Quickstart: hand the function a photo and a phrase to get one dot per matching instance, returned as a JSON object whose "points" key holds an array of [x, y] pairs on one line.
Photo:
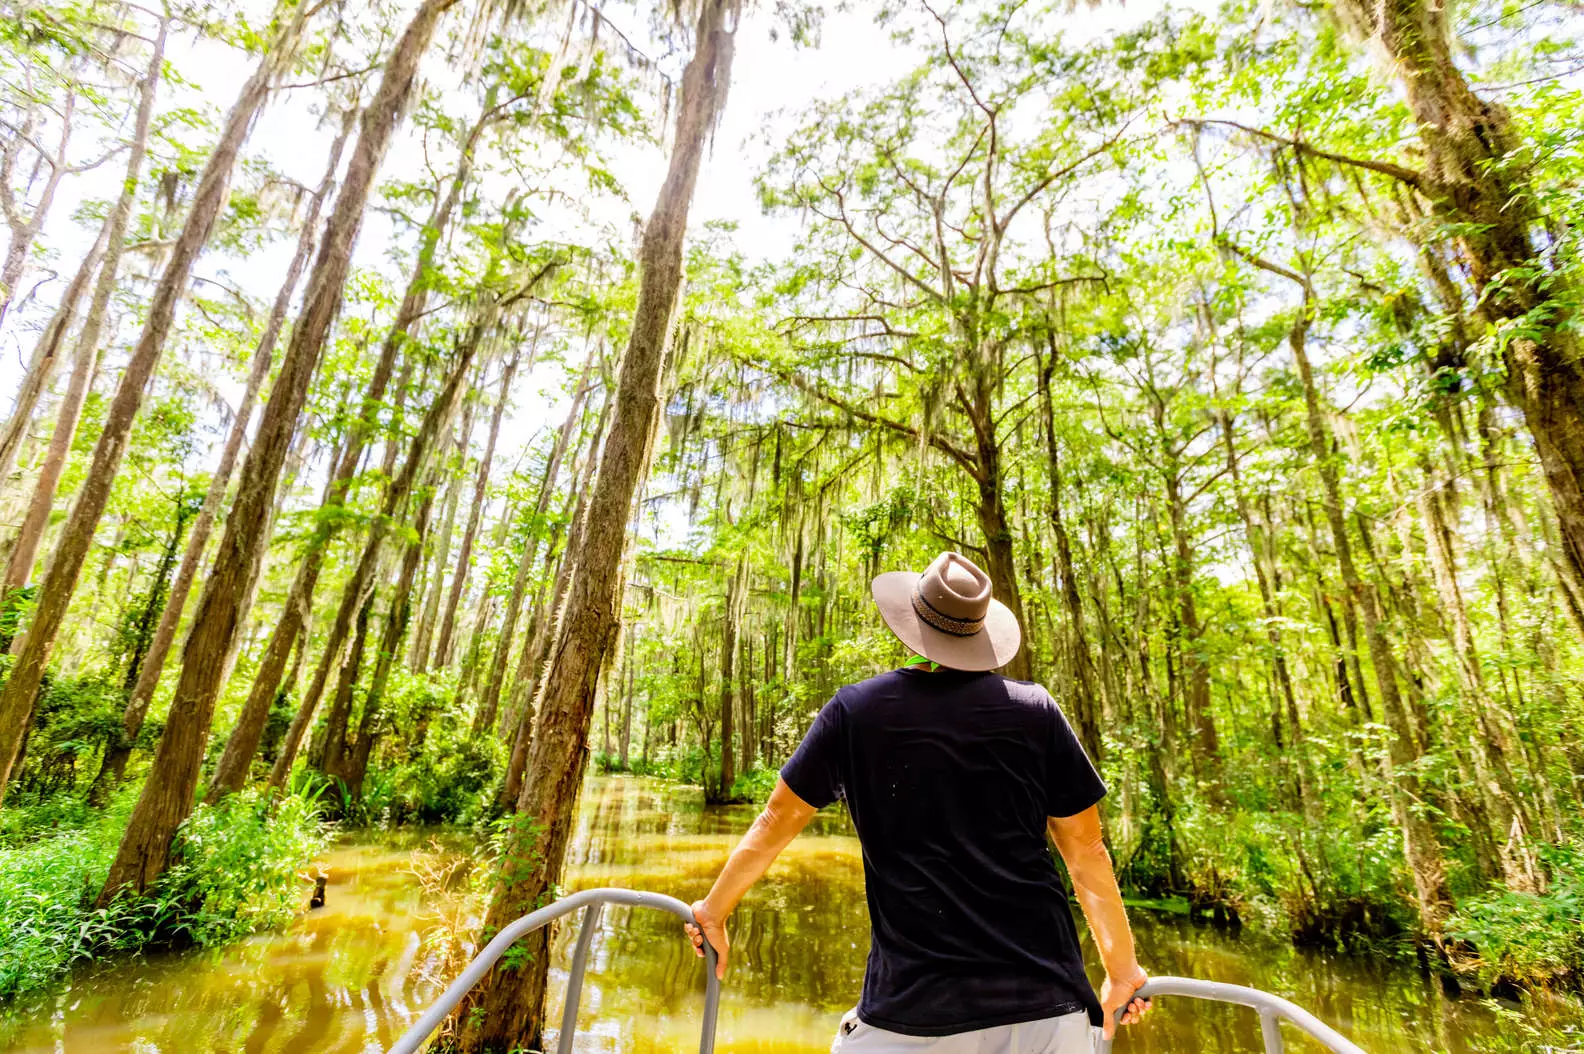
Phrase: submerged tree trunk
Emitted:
{"points": [[16, 699], [507, 1011], [142, 694], [168, 795]]}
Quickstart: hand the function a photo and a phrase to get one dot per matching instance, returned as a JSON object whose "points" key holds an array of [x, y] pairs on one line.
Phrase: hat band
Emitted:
{"points": [[957, 627]]}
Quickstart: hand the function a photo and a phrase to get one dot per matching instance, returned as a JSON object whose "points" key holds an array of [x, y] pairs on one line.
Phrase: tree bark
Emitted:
{"points": [[24, 230], [46, 356], [354, 765], [437, 419], [1088, 693], [24, 553], [168, 795], [1420, 847], [736, 601], [142, 693], [16, 699], [527, 691], [511, 1000], [276, 652], [418, 657], [1479, 188]]}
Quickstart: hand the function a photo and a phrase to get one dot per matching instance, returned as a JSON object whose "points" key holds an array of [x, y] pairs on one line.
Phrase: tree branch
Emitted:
{"points": [[1410, 176]]}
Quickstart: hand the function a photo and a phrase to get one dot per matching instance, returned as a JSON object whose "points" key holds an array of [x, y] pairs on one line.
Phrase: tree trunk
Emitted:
{"points": [[355, 765], [46, 356], [143, 693], [736, 601], [327, 752], [485, 715], [418, 657], [436, 420], [1481, 189], [1087, 691], [1420, 847], [630, 669], [24, 554], [1000, 561], [1491, 743], [167, 796], [531, 664], [25, 231], [143, 635], [510, 1004], [294, 614], [16, 699]]}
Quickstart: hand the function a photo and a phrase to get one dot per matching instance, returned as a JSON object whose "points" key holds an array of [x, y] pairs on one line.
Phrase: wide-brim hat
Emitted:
{"points": [[946, 614]]}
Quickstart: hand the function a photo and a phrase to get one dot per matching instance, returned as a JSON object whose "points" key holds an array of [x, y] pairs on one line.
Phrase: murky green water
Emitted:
{"points": [[350, 976]]}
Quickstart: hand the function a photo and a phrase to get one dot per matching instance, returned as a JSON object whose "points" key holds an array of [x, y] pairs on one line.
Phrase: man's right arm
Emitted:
{"points": [[1082, 846]]}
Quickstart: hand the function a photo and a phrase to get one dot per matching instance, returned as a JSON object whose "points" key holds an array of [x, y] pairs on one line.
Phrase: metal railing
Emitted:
{"points": [[1273, 1010], [594, 900]]}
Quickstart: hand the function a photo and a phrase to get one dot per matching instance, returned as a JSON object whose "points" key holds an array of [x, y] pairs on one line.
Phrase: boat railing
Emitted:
{"points": [[594, 902], [1273, 1010]]}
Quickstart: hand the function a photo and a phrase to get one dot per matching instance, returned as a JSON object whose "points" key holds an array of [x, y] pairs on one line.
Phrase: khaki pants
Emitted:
{"points": [[1067, 1034]]}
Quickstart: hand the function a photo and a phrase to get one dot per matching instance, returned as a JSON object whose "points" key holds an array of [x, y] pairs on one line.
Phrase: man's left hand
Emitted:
{"points": [[710, 926]]}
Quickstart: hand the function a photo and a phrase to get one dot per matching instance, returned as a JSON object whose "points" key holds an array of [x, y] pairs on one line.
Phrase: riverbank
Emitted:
{"points": [[349, 977], [237, 873]]}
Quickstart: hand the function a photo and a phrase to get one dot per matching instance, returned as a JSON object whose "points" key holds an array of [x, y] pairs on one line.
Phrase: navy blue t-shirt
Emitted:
{"points": [[949, 777]]}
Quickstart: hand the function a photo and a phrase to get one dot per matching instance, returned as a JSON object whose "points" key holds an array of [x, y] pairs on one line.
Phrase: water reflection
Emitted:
{"points": [[348, 978]]}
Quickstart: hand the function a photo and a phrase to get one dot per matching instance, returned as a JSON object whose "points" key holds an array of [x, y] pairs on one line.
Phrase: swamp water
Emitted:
{"points": [[350, 976]]}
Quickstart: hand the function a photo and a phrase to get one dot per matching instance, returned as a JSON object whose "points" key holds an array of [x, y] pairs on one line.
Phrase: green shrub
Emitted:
{"points": [[1530, 938], [235, 873], [755, 785], [76, 718], [452, 778]]}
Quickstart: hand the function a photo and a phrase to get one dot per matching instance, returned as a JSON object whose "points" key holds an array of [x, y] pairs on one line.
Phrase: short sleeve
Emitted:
{"points": [[814, 770], [1071, 782]]}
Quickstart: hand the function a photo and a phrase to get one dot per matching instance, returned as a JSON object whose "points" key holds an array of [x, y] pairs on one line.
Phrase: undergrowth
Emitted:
{"points": [[235, 874], [1530, 939]]}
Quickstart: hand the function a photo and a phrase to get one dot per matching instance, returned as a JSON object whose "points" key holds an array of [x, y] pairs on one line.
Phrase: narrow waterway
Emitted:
{"points": [[350, 976]]}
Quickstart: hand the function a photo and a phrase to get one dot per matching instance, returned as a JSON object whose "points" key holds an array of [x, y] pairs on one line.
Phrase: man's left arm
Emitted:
{"points": [[784, 816]]}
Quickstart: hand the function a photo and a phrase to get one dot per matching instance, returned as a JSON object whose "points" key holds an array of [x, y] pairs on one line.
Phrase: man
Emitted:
{"points": [[953, 776]]}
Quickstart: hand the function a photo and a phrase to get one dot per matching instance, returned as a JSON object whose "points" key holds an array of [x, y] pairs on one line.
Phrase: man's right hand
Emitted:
{"points": [[1117, 992]]}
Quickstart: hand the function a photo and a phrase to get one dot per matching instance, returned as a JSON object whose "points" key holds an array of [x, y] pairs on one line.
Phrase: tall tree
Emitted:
{"points": [[25, 550], [511, 1002], [167, 796], [142, 693], [16, 698]]}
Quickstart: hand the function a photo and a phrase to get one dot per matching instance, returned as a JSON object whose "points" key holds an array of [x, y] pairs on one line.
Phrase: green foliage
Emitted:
{"points": [[754, 785], [451, 778], [74, 720], [1530, 938], [236, 873]]}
